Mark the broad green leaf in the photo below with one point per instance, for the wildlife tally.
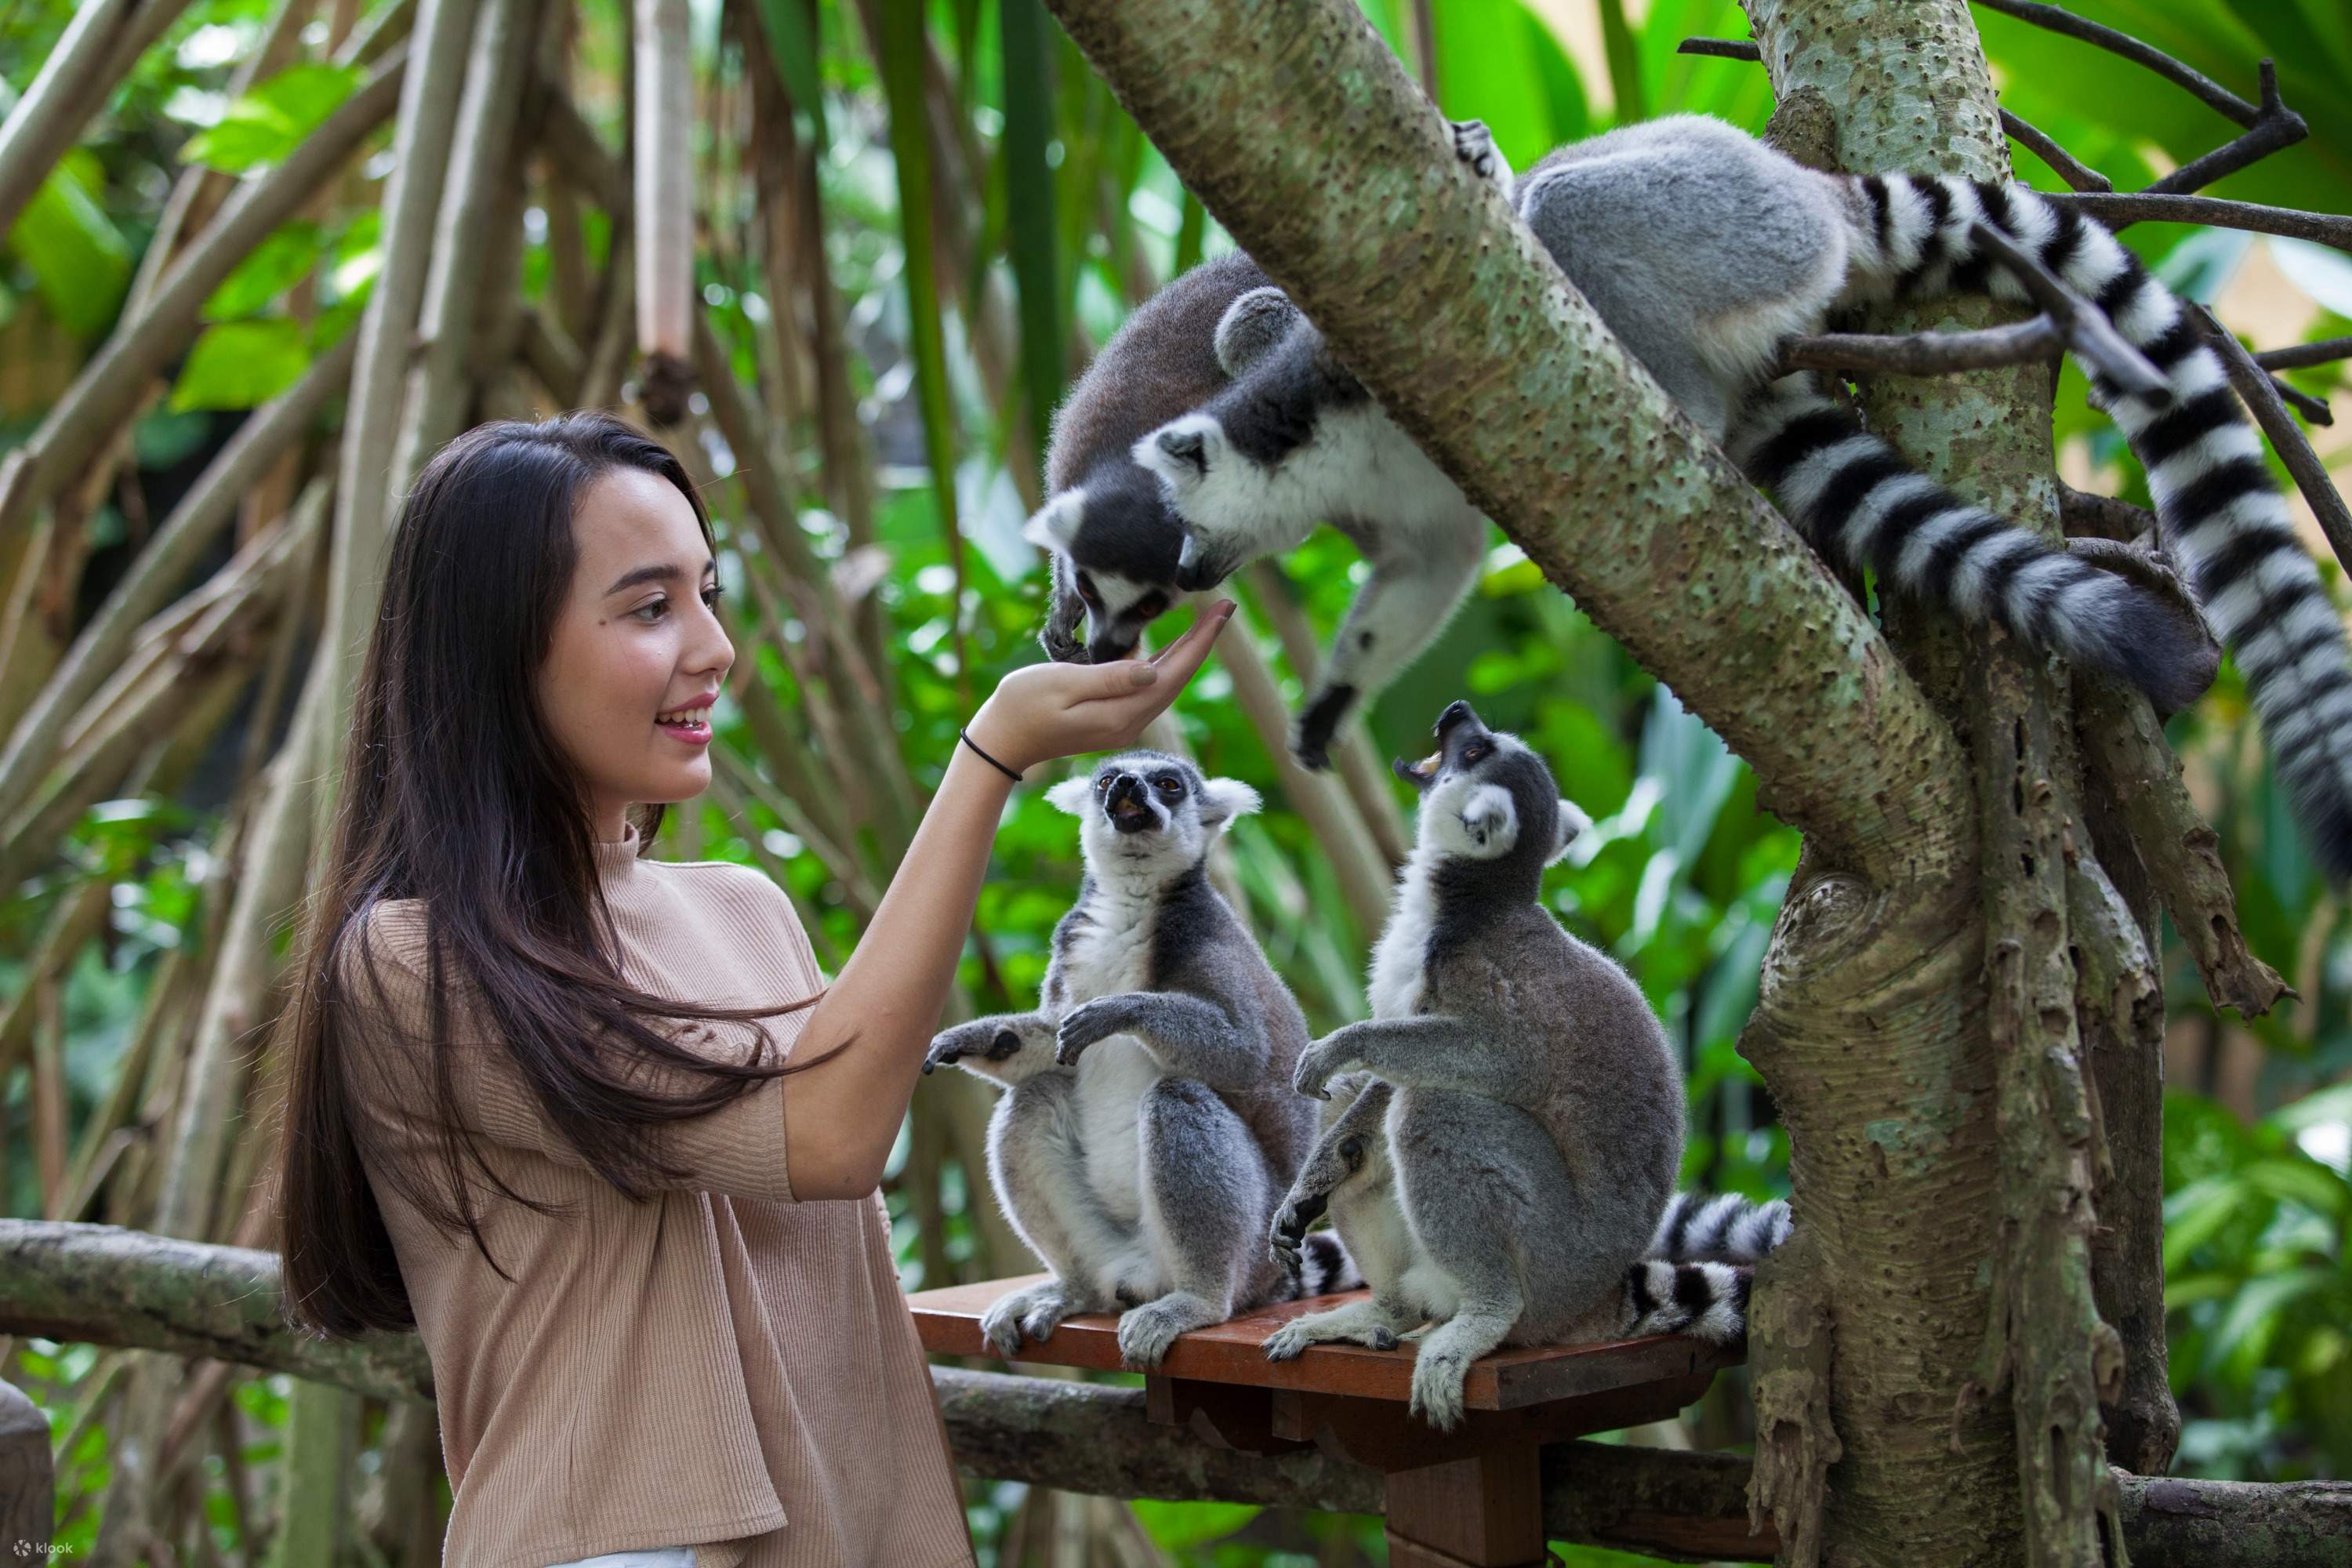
(2195, 1214)
(268, 122)
(241, 365)
(2257, 1307)
(80, 261)
(2306, 1181)
(1173, 1526)
(275, 265)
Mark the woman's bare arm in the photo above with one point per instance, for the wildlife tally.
(841, 1119)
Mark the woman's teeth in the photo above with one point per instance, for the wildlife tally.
(685, 718)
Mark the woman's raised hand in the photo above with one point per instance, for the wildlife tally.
(1045, 711)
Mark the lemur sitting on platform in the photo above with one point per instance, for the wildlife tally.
(1518, 1121)
(1148, 1126)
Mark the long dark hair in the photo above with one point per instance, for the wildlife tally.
(456, 793)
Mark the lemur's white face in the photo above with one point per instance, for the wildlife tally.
(1466, 813)
(1143, 817)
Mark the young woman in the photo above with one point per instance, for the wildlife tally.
(670, 1328)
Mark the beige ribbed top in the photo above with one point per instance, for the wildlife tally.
(722, 1366)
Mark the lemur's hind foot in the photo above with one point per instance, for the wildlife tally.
(1366, 1322)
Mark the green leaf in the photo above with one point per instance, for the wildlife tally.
(241, 365)
(1173, 1526)
(268, 122)
(80, 261)
(2195, 1214)
(275, 265)
(2258, 1307)
(791, 44)
(2306, 1181)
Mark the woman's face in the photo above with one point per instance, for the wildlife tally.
(638, 653)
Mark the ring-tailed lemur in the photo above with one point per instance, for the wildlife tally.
(1148, 1126)
(1505, 1172)
(1106, 526)
(1703, 248)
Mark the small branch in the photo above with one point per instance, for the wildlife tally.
(2103, 517)
(2058, 20)
(2084, 325)
(2261, 392)
(2276, 127)
(2122, 741)
(2117, 208)
(2077, 174)
(2304, 355)
(1723, 49)
(1923, 353)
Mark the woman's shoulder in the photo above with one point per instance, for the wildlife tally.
(722, 879)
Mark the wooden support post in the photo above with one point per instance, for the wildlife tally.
(1486, 1510)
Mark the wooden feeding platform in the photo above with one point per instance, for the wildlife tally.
(1471, 1496)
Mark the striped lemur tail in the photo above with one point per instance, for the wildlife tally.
(2220, 515)
(1324, 1266)
(1696, 1277)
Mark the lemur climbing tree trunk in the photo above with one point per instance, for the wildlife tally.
(1951, 950)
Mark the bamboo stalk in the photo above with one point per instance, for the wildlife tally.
(94, 408)
(664, 116)
(190, 530)
(473, 201)
(99, 48)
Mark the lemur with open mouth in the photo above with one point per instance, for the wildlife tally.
(1148, 1126)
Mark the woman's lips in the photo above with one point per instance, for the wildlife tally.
(693, 732)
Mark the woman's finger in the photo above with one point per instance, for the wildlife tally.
(1193, 646)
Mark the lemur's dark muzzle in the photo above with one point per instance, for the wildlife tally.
(1129, 805)
(1455, 712)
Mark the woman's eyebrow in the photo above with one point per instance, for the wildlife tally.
(666, 572)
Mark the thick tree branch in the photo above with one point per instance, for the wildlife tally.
(103, 1285)
(1352, 201)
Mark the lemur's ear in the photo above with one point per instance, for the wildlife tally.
(1250, 326)
(1056, 522)
(1072, 795)
(1223, 801)
(1572, 821)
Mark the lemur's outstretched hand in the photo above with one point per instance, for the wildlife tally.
(1045, 711)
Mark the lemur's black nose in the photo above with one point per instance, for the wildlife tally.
(1455, 712)
(1127, 804)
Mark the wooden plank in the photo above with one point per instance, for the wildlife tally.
(947, 1321)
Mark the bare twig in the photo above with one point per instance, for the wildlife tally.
(2077, 174)
(1924, 353)
(1722, 48)
(2059, 20)
(2304, 355)
(2084, 325)
(2275, 127)
(2256, 387)
(2116, 208)
(2314, 409)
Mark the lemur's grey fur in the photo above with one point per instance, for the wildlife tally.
(1148, 1126)
(1106, 526)
(1507, 1169)
(1703, 248)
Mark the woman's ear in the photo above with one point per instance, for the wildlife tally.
(1071, 795)
(1572, 821)
(1224, 800)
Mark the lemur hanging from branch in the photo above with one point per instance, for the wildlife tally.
(1704, 249)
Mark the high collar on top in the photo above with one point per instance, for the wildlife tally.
(616, 858)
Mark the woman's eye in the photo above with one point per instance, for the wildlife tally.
(658, 608)
(710, 596)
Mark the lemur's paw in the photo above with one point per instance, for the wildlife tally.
(1311, 737)
(1040, 1321)
(1323, 1061)
(973, 1039)
(1085, 1025)
(1145, 1334)
(1001, 1327)
(1382, 1340)
(1286, 1342)
(1474, 145)
(1437, 1389)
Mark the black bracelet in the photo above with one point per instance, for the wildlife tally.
(992, 761)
